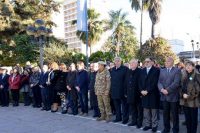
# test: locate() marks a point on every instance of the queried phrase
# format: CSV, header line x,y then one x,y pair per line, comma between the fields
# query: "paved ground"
x,y
31,120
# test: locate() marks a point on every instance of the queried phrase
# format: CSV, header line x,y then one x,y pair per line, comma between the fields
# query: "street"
x,y
32,120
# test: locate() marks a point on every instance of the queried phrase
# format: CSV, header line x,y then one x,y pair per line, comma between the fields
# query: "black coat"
x,y
92,78
59,81
4,81
149,83
82,81
118,81
132,86
71,79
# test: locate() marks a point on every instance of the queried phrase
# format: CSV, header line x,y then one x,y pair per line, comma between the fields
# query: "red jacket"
x,y
15,83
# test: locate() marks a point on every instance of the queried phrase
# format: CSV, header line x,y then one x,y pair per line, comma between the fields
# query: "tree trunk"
x,y
90,50
153,31
141,22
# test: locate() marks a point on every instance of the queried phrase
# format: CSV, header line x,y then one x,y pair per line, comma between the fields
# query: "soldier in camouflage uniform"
x,y
102,90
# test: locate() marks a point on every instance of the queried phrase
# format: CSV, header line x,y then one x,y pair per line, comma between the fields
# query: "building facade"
x,y
70,14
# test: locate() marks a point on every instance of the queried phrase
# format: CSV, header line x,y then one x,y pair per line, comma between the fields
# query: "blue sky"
x,y
178,17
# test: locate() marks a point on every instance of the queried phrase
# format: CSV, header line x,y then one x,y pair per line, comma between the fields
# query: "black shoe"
x,y
154,129
132,124
47,109
146,128
124,121
39,106
96,115
117,120
139,126
43,109
53,111
165,131
34,106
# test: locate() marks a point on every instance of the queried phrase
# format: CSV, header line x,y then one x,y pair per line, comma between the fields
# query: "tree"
x,y
95,28
20,51
101,56
127,49
15,15
154,9
119,24
158,49
58,52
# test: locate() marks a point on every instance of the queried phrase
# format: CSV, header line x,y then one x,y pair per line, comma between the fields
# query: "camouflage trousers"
x,y
104,105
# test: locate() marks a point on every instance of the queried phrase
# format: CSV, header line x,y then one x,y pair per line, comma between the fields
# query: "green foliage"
x,y
101,56
57,52
158,49
78,57
15,15
95,28
19,52
123,41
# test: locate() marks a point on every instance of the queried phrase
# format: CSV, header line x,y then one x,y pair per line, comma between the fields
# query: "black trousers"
x,y
136,111
4,97
37,95
191,116
15,95
173,108
73,101
121,104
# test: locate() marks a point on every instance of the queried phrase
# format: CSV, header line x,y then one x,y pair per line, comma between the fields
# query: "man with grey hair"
x,y
168,84
133,94
118,74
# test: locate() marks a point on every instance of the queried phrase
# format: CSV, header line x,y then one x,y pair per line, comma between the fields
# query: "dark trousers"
x,y
94,103
73,101
37,95
173,108
4,97
121,104
15,95
83,98
45,98
27,98
191,116
136,113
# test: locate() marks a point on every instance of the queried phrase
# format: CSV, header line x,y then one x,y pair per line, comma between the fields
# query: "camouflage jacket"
x,y
102,83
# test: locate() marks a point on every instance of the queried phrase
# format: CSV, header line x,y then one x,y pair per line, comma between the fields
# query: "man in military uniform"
x,y
102,90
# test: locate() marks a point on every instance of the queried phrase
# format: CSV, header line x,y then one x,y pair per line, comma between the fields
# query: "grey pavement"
x,y
32,120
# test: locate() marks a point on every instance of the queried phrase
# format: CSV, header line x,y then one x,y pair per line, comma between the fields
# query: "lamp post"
x,y
39,35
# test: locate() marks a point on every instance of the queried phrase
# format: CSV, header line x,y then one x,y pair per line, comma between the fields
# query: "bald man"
x,y
168,84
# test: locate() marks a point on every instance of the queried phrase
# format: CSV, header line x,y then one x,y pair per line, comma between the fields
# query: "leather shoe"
x,y
154,129
146,128
117,120
131,124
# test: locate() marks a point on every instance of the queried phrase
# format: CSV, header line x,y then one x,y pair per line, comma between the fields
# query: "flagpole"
x,y
87,58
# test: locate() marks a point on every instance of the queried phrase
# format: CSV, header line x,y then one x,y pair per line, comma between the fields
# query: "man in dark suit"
x,y
168,84
82,83
150,94
4,88
133,94
118,74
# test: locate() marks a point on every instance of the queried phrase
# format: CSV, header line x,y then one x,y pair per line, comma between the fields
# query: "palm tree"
x,y
154,9
118,23
95,29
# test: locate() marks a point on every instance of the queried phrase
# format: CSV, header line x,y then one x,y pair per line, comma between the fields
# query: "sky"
x,y
180,19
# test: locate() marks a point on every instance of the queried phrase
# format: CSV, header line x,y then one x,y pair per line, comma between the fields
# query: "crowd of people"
x,y
114,89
